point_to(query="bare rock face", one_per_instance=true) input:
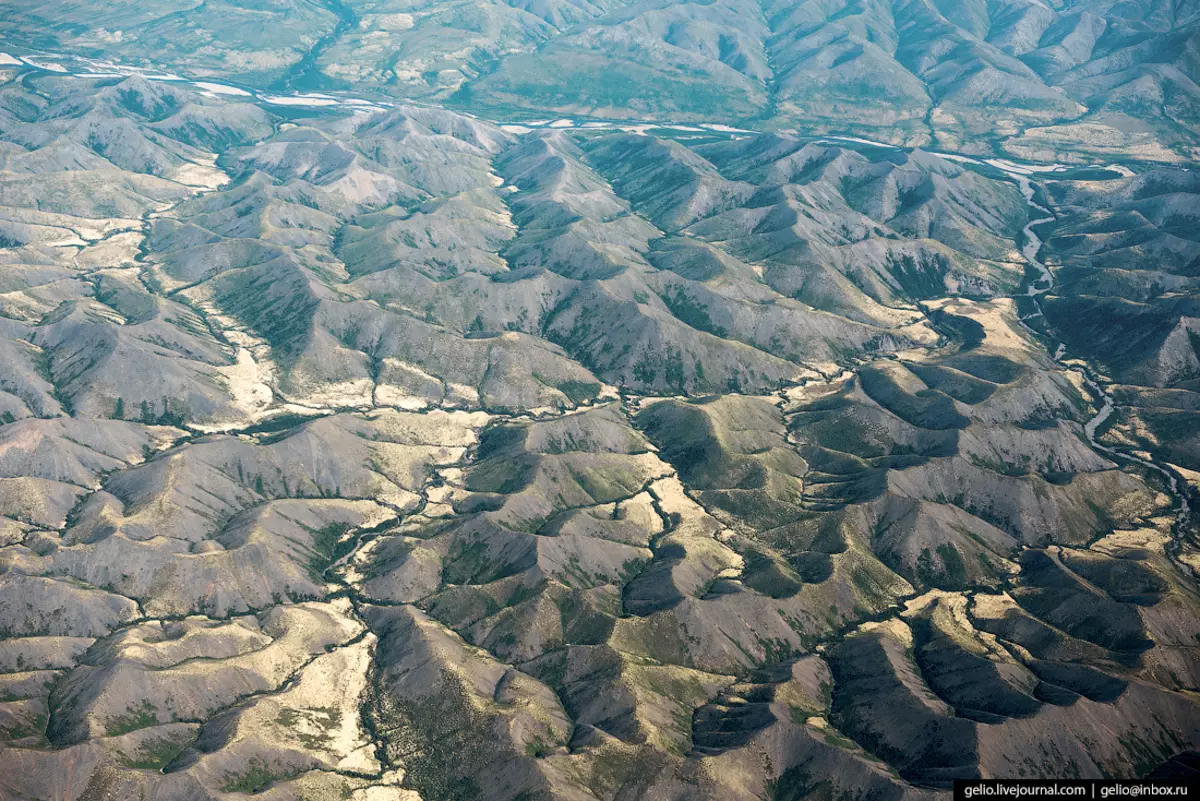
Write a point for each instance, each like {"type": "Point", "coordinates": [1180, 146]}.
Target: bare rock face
{"type": "Point", "coordinates": [364, 435]}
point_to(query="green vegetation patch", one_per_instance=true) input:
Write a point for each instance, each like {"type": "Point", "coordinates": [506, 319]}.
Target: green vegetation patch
{"type": "Point", "coordinates": [136, 718]}
{"type": "Point", "coordinates": [329, 545]}
{"type": "Point", "coordinates": [256, 777]}
{"type": "Point", "coordinates": [157, 754]}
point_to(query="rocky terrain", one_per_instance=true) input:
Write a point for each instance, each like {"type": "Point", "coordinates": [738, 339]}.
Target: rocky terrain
{"type": "Point", "coordinates": [386, 450]}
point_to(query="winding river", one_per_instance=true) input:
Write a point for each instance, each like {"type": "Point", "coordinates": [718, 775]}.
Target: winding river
{"type": "Point", "coordinates": [1030, 250]}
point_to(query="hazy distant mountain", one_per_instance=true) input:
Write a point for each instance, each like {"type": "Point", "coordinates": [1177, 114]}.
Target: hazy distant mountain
{"type": "Point", "coordinates": [596, 401]}
{"type": "Point", "coordinates": [1072, 79]}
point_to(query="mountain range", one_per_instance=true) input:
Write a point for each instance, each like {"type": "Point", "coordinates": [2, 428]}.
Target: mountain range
{"type": "Point", "coordinates": [596, 401]}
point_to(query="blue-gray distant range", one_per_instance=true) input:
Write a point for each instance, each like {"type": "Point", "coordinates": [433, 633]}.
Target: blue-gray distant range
{"type": "Point", "coordinates": [581, 400]}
